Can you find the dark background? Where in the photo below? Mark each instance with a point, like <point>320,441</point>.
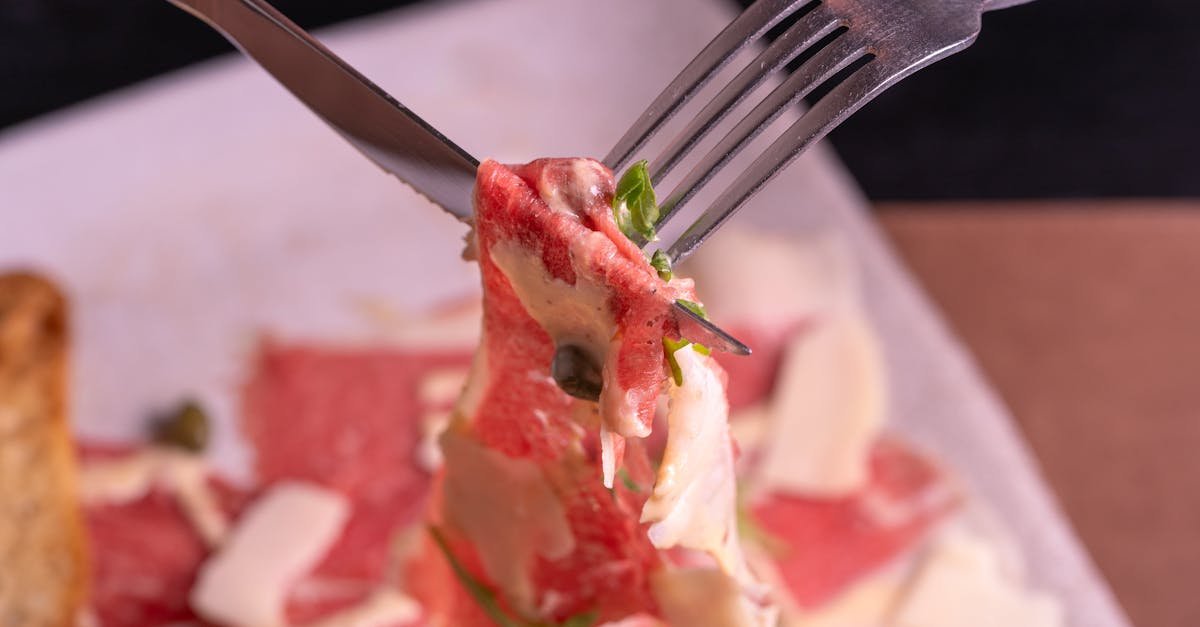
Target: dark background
<point>1059,98</point>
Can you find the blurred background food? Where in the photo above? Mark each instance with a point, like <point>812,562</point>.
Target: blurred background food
<point>1080,311</point>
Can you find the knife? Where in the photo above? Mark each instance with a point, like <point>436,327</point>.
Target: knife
<point>378,125</point>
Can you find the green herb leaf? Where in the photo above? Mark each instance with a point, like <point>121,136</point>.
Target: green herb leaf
<point>669,347</point>
<point>586,619</point>
<point>695,308</point>
<point>628,481</point>
<point>635,207</point>
<point>481,593</point>
<point>662,263</point>
<point>187,428</point>
<point>750,530</point>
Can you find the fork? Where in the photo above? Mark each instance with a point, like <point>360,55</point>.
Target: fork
<point>894,37</point>
<point>852,51</point>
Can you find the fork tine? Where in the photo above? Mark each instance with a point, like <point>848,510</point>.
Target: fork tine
<point>805,33</point>
<point>825,63</point>
<point>846,98</point>
<point>752,24</point>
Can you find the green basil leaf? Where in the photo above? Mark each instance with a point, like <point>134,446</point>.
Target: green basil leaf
<point>628,481</point>
<point>695,308</point>
<point>586,619</point>
<point>662,263</point>
<point>635,206</point>
<point>669,347</point>
<point>481,593</point>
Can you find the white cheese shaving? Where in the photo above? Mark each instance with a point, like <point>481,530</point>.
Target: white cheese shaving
<point>866,604</point>
<point>429,452</point>
<point>694,503</point>
<point>827,409</point>
<point>183,475</point>
<point>441,387</point>
<point>382,609</point>
<point>706,597</point>
<point>281,536</point>
<point>769,281</point>
<point>961,583</point>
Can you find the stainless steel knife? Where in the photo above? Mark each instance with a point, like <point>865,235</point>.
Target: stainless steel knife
<point>382,128</point>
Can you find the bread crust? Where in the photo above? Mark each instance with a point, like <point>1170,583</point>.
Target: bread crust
<point>43,552</point>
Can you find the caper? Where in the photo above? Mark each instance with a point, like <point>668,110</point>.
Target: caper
<point>186,428</point>
<point>576,372</point>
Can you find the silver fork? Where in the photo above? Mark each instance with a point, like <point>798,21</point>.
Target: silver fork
<point>855,49</point>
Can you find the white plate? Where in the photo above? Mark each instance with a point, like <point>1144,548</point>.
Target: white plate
<point>187,215</point>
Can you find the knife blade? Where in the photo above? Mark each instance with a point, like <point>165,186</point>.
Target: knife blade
<point>382,128</point>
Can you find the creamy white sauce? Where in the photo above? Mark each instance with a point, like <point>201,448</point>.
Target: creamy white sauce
<point>279,538</point>
<point>571,314</point>
<point>827,409</point>
<point>182,475</point>
<point>585,184</point>
<point>507,509</point>
<point>578,315</point>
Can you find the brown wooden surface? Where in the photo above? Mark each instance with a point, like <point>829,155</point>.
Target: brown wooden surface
<point>1086,317</point>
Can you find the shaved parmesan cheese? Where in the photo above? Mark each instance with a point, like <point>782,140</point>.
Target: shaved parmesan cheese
<point>385,608</point>
<point>827,410</point>
<point>441,387</point>
<point>189,479</point>
<point>771,281</point>
<point>694,503</point>
<point>183,475</point>
<point>429,452</point>
<point>119,480</point>
<point>865,605</point>
<point>706,597</point>
<point>961,583</point>
<point>695,494</point>
<point>280,537</point>
<point>637,620</point>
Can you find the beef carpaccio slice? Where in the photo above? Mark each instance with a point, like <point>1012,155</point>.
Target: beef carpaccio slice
<point>145,553</point>
<point>822,545</point>
<point>582,549</point>
<point>348,420</point>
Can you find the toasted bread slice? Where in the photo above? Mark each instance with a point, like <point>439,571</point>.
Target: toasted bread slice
<point>43,565</point>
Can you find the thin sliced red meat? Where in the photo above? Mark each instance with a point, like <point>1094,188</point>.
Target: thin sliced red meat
<point>523,413</point>
<point>830,543</point>
<point>145,554</point>
<point>346,419</point>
